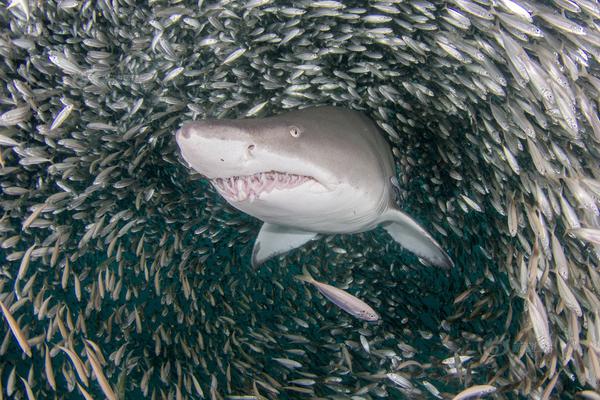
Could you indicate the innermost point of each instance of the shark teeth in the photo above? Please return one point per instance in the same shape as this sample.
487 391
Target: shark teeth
250 187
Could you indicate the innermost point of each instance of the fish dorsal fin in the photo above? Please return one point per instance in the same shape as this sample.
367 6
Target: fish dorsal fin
410 235
273 240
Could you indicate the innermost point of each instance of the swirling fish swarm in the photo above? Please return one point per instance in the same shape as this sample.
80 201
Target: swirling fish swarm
125 276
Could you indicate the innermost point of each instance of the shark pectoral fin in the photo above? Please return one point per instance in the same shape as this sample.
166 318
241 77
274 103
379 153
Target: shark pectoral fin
274 239
411 236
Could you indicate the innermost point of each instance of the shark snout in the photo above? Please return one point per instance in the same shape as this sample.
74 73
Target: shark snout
214 129
217 149
182 133
187 130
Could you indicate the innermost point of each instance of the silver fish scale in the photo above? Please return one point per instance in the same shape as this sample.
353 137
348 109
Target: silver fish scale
492 108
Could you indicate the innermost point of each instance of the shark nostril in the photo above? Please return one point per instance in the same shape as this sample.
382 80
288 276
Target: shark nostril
251 147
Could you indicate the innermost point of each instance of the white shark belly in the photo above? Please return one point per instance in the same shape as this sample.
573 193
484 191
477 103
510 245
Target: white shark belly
308 208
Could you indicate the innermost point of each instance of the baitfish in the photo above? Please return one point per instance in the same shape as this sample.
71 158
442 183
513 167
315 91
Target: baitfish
344 300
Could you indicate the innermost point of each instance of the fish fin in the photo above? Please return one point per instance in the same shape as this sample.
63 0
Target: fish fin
274 240
414 238
306 276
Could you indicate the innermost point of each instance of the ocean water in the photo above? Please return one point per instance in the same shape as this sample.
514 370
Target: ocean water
125 275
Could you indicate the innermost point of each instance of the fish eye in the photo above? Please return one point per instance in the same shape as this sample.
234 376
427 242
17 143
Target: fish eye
295 131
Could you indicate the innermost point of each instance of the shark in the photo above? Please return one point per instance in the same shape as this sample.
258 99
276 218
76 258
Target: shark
305 173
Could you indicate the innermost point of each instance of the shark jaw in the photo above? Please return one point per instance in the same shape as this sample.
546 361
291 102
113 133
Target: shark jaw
250 187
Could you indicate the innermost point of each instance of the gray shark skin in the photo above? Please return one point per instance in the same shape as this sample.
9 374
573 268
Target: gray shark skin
320 170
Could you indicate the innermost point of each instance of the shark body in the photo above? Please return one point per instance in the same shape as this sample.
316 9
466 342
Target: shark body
320 170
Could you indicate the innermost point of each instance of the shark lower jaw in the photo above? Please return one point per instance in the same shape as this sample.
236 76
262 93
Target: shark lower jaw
252 187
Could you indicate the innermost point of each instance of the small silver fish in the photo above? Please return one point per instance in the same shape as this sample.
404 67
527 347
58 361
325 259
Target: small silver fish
475 391
342 299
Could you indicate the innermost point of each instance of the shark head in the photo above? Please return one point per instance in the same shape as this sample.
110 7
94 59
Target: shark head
275 167
249 159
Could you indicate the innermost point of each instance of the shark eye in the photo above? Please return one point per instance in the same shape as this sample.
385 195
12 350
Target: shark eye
295 131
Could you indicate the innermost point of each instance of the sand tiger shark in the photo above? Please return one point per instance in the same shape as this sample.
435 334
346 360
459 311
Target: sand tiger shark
319 170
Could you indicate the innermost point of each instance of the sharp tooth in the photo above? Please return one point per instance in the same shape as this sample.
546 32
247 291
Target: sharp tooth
243 188
269 185
262 181
218 184
238 185
231 187
260 184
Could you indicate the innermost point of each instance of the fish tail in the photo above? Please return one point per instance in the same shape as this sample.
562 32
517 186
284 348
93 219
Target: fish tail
306 276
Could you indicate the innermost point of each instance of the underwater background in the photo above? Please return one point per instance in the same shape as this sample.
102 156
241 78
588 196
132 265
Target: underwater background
128 276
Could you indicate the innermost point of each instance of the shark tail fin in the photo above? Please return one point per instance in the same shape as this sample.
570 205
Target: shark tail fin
306 276
410 235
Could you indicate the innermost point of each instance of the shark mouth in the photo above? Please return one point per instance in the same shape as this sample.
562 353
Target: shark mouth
250 187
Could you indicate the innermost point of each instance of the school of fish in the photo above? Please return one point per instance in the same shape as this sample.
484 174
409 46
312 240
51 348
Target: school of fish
122 275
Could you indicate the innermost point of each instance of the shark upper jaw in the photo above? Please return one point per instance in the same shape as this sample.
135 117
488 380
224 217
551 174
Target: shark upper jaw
240 188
